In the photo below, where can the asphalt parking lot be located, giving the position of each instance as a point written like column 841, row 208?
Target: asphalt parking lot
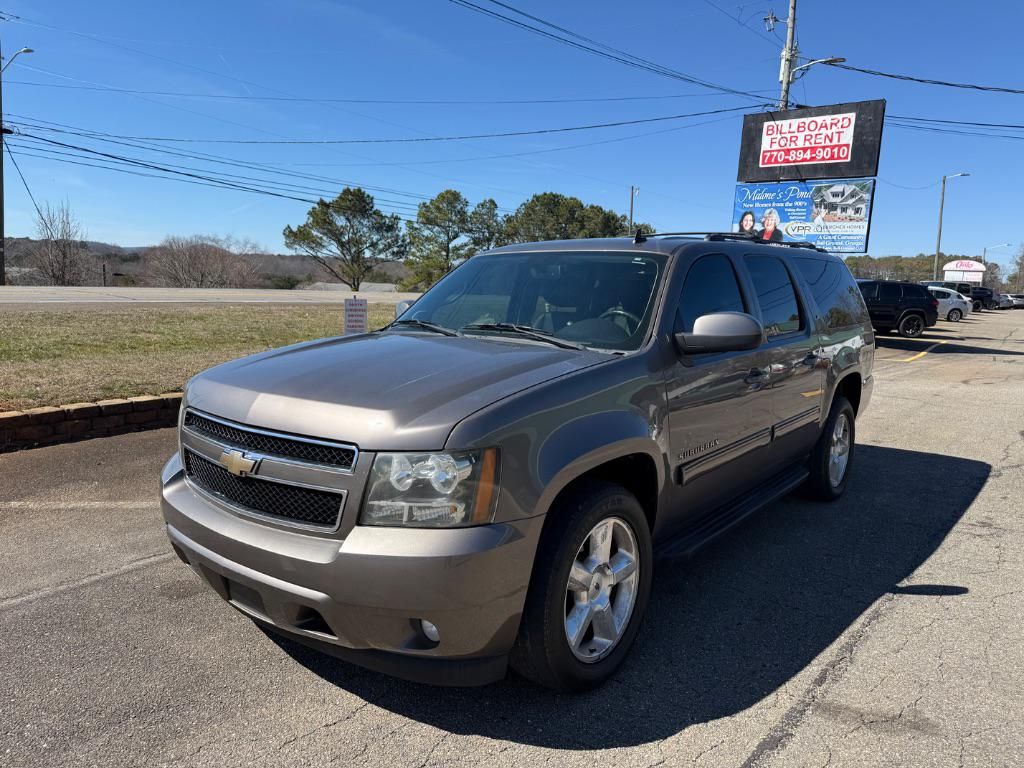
column 884, row 629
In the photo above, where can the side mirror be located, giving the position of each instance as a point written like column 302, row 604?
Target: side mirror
column 402, row 306
column 721, row 332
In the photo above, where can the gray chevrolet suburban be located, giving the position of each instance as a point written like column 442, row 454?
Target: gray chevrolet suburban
column 488, row 480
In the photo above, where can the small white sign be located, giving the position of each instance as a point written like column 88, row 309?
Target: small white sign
column 357, row 316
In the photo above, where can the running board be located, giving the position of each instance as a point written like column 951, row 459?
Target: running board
column 713, row 525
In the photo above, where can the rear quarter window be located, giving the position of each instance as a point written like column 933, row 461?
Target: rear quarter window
column 836, row 293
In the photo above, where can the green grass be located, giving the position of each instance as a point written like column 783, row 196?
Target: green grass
column 53, row 356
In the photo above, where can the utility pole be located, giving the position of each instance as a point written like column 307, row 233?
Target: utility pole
column 3, row 141
column 632, row 194
column 938, row 239
column 788, row 57
column 3, row 146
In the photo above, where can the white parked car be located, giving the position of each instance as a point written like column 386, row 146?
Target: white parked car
column 1018, row 300
column 952, row 305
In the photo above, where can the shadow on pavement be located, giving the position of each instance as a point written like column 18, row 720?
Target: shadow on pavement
column 729, row 627
column 952, row 346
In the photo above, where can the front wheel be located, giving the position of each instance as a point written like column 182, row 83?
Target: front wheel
column 911, row 326
column 954, row 315
column 832, row 456
column 589, row 589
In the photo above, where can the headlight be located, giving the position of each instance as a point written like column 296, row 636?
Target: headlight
column 432, row 490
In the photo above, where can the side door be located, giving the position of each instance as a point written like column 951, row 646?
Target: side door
column 719, row 403
column 944, row 298
column 886, row 304
column 796, row 367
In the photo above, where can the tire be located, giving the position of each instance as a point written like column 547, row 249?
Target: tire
column 542, row 652
column 954, row 315
column 911, row 326
column 822, row 483
column 976, row 306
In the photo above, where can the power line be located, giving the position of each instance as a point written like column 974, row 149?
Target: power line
column 64, row 128
column 929, row 81
column 25, row 183
column 404, row 102
column 1018, row 126
column 214, row 184
column 743, row 25
column 594, row 47
column 432, row 139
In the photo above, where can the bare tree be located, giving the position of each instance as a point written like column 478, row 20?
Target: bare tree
column 60, row 253
column 202, row 262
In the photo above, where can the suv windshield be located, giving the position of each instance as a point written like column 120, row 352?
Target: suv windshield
column 602, row 300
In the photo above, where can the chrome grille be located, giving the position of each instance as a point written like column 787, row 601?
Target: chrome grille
column 274, row 444
column 287, row 502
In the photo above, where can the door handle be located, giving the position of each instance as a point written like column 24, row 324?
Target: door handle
column 756, row 376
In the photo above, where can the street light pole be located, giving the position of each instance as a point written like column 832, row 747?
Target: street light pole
column 984, row 251
column 938, row 239
column 3, row 131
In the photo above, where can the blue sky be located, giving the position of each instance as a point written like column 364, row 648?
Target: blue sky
column 436, row 50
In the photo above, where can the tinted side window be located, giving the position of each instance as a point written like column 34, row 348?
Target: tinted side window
column 868, row 290
column 780, row 312
column 941, row 294
column 834, row 290
column 916, row 292
column 889, row 291
column 710, row 286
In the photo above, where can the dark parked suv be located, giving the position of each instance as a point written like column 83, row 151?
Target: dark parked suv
column 486, row 480
column 908, row 308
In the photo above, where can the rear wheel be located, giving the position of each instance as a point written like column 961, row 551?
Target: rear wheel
column 911, row 326
column 589, row 590
column 832, row 457
column 954, row 315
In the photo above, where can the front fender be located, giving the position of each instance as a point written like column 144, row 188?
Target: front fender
column 582, row 444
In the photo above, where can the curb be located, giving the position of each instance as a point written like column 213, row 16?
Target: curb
column 79, row 421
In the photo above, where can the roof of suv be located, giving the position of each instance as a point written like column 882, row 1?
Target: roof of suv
column 667, row 243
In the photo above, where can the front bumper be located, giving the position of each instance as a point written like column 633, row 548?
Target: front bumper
column 360, row 595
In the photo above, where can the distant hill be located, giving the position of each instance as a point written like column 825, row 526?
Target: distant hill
column 127, row 265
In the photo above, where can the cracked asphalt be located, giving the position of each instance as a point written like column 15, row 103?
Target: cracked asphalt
column 885, row 629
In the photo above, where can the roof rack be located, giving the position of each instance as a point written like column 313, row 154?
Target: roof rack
column 722, row 236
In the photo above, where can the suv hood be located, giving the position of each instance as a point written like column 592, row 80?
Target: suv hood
column 384, row 391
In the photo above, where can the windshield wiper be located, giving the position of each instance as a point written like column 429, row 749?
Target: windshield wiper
column 527, row 331
column 426, row 326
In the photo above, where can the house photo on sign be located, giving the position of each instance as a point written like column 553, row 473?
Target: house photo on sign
column 834, row 214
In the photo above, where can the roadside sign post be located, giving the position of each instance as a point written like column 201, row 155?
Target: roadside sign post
column 357, row 316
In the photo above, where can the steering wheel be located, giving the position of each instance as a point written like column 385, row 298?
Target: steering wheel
column 614, row 311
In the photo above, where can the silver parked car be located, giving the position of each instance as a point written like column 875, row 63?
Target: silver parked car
column 952, row 305
column 1017, row 300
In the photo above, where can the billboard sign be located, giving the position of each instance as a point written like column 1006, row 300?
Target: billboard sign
column 964, row 271
column 834, row 214
column 841, row 140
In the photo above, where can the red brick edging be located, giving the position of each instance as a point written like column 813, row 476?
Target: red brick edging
column 78, row 421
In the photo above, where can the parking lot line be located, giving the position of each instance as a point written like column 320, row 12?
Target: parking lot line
column 923, row 352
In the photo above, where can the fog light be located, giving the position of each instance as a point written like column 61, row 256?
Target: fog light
column 430, row 631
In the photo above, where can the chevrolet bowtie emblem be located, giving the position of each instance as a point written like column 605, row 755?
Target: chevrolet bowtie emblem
column 236, row 463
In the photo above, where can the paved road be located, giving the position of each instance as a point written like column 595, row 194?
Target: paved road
column 15, row 294
column 882, row 630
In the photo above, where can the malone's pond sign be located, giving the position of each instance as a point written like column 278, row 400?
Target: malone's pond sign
column 840, row 140
column 833, row 214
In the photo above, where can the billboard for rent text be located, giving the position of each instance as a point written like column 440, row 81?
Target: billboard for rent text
column 841, row 140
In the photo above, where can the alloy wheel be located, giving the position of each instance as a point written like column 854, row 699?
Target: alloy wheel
column 839, row 451
column 602, row 589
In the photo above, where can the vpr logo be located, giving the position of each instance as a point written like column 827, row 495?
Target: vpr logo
column 799, row 229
